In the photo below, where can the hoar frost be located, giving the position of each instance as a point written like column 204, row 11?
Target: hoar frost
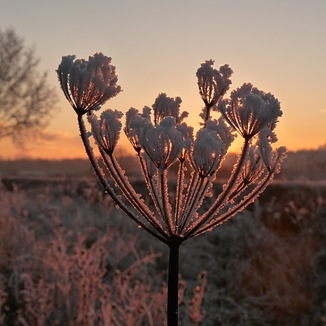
column 159, row 143
column 161, row 138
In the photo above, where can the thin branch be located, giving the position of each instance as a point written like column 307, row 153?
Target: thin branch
column 151, row 187
column 166, row 202
column 223, row 197
column 106, row 185
column 235, row 209
column 179, row 193
column 129, row 192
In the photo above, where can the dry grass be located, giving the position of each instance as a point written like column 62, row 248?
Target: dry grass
column 68, row 257
column 62, row 263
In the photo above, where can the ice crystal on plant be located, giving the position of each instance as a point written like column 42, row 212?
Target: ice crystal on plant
column 207, row 153
column 225, row 132
column 162, row 143
column 106, row 131
column 249, row 110
column 212, row 84
column 174, row 215
column 140, row 119
column 165, row 106
column 88, row 84
column 165, row 139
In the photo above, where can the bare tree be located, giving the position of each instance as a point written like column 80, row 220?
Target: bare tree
column 26, row 98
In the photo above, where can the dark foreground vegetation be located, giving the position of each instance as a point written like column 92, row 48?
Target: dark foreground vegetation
column 68, row 257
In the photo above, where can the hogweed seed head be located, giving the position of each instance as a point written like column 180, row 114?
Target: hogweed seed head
column 208, row 153
column 225, row 132
column 140, row 122
column 162, row 143
column 249, row 110
column 160, row 138
column 167, row 106
column 87, row 84
column 212, row 84
column 106, row 131
column 167, row 139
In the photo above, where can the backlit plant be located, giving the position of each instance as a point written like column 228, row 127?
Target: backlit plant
column 161, row 138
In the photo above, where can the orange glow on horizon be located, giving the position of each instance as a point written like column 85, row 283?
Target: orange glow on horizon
column 70, row 147
column 165, row 58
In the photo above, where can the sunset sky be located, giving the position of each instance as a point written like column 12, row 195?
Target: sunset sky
column 157, row 46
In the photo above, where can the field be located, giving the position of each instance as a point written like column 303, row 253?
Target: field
column 69, row 257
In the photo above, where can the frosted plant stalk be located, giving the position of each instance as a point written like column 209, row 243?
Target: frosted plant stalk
column 166, row 140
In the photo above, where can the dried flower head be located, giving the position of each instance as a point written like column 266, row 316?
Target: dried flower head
column 106, row 131
column 133, row 133
column 163, row 143
column 225, row 132
column 87, row 84
column 208, row 152
column 165, row 106
column 212, row 84
column 249, row 110
column 177, row 211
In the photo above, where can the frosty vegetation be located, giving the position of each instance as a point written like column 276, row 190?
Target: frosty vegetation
column 164, row 139
column 69, row 257
column 167, row 139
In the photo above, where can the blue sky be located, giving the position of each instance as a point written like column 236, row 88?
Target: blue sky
column 157, row 46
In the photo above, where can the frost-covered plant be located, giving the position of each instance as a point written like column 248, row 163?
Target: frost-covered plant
column 165, row 140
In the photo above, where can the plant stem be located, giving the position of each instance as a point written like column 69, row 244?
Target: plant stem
column 173, row 281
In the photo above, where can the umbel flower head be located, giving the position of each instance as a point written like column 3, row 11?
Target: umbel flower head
column 87, row 84
column 164, row 140
column 212, row 84
column 165, row 106
column 185, row 208
column 163, row 143
column 132, row 133
column 106, row 130
column 207, row 153
column 249, row 110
